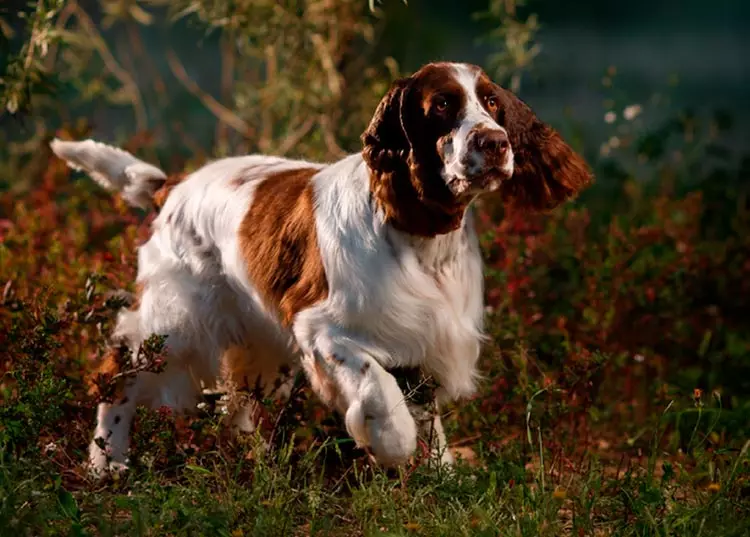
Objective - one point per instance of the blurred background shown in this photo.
(624, 309)
(572, 62)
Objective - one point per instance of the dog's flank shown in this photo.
(114, 169)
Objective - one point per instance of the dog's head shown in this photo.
(447, 134)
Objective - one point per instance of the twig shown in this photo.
(329, 138)
(329, 66)
(264, 143)
(464, 441)
(32, 40)
(114, 67)
(130, 372)
(62, 19)
(407, 396)
(227, 81)
(134, 35)
(294, 137)
(297, 387)
(221, 112)
(190, 142)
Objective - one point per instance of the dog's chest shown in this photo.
(424, 305)
(414, 301)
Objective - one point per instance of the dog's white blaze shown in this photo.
(460, 161)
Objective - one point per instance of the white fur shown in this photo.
(113, 168)
(394, 299)
(460, 161)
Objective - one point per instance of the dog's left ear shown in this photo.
(547, 172)
(386, 145)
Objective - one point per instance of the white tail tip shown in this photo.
(113, 168)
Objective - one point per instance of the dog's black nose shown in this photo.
(493, 140)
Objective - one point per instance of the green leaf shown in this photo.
(198, 469)
(68, 504)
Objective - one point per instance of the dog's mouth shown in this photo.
(491, 181)
(496, 173)
(488, 180)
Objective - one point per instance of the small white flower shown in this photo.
(202, 406)
(639, 358)
(12, 104)
(50, 448)
(632, 111)
(610, 117)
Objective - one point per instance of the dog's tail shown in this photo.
(116, 170)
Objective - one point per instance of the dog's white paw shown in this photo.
(381, 421)
(100, 463)
(112, 468)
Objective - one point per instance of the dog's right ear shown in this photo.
(547, 171)
(386, 144)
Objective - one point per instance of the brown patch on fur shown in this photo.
(401, 150)
(547, 172)
(111, 363)
(323, 385)
(407, 210)
(279, 242)
(161, 194)
(108, 366)
(246, 174)
(252, 366)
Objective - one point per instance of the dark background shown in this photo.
(689, 53)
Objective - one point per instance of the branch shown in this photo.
(227, 82)
(62, 20)
(328, 64)
(140, 50)
(32, 40)
(329, 138)
(111, 63)
(266, 128)
(292, 139)
(221, 112)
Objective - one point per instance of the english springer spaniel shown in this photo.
(349, 270)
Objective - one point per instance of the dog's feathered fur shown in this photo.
(346, 269)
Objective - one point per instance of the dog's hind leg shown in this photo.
(263, 368)
(190, 358)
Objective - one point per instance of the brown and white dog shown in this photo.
(347, 269)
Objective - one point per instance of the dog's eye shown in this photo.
(491, 102)
(441, 104)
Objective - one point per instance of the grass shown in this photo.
(240, 492)
(186, 480)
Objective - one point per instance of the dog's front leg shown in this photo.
(422, 394)
(431, 432)
(347, 377)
